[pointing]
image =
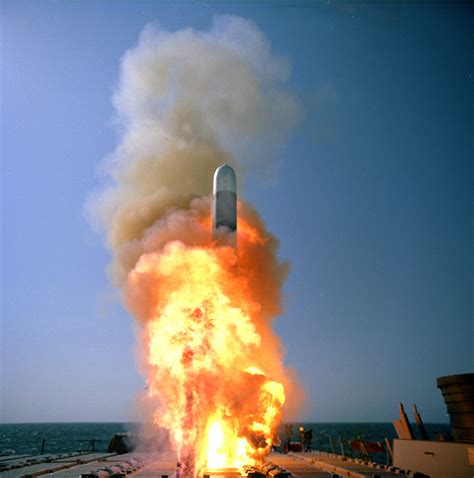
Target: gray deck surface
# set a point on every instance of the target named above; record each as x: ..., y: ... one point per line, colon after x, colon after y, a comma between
x: 341, y: 466
x: 304, y: 465
x: 297, y: 466
x: 165, y: 464
x: 54, y: 465
x: 106, y: 461
x: 12, y: 457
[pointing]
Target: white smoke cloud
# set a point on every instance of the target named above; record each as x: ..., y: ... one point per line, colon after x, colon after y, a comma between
x: 188, y: 101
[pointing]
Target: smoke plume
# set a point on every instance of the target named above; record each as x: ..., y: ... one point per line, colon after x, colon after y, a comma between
x: 187, y: 102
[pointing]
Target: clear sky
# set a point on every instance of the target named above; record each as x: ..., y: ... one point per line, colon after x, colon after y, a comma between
x: 373, y: 203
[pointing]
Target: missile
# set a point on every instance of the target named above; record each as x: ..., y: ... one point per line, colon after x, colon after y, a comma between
x: 225, y: 199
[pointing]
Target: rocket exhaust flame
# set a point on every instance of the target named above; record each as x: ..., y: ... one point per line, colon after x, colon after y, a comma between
x: 213, y: 364
x: 203, y: 346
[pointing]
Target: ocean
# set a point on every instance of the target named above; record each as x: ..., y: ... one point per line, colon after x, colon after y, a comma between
x: 32, y: 438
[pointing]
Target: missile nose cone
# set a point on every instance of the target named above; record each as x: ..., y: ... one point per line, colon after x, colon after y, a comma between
x: 225, y: 198
x: 225, y: 179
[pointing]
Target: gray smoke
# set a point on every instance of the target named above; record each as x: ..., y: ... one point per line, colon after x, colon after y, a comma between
x: 186, y: 102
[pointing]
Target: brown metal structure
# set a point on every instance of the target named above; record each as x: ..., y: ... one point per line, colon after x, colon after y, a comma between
x: 458, y: 394
x: 419, y: 422
x: 402, y: 426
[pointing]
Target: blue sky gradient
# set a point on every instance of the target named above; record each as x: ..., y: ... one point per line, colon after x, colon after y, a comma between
x: 373, y: 204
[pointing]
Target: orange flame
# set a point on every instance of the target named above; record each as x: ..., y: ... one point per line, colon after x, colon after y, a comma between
x: 205, y: 346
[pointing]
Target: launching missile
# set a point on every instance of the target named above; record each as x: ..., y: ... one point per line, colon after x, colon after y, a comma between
x: 225, y: 199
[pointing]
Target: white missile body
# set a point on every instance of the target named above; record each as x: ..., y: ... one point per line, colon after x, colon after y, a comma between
x: 225, y: 199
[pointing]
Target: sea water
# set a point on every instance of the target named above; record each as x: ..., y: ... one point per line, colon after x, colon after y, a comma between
x: 27, y: 438
x: 30, y: 438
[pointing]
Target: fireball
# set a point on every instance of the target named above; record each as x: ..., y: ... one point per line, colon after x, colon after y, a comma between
x: 203, y: 340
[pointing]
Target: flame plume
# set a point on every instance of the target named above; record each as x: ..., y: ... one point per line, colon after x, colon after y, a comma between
x: 188, y: 102
x: 204, y: 348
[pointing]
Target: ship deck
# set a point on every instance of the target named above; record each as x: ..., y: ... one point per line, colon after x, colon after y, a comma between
x: 146, y: 465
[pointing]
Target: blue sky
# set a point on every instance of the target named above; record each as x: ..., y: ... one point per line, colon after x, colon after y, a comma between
x: 373, y: 204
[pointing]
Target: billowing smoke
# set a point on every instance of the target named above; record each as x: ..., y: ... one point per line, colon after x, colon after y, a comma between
x: 186, y: 103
